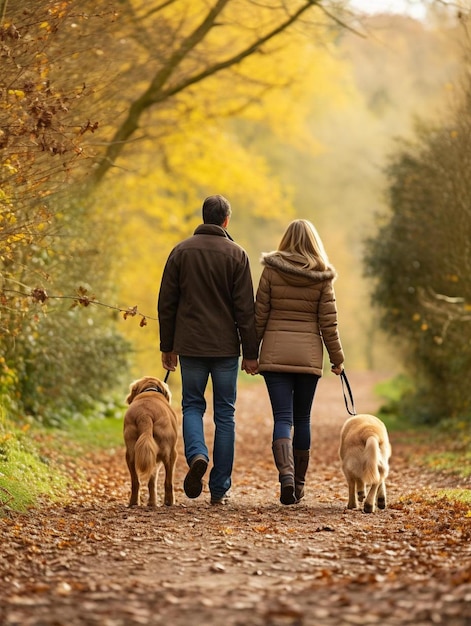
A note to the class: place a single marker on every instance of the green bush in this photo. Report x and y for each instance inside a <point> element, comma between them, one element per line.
<point>420,261</point>
<point>74,361</point>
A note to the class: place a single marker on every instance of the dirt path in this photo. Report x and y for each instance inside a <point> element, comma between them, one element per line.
<point>253,562</point>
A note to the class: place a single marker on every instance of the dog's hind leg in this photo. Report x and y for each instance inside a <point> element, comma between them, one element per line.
<point>152,487</point>
<point>360,487</point>
<point>352,494</point>
<point>134,499</point>
<point>169,497</point>
<point>370,501</point>
<point>382,495</point>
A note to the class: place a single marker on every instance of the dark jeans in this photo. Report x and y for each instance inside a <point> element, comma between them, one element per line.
<point>195,374</point>
<point>291,397</point>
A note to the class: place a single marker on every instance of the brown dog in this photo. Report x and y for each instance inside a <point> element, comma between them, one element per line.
<point>365,452</point>
<point>150,435</point>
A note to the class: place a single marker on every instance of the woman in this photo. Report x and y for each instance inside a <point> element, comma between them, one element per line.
<point>295,314</point>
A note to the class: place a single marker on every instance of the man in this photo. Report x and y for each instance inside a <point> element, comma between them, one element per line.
<point>206,311</point>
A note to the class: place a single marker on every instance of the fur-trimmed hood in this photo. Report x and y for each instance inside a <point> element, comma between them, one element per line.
<point>293,270</point>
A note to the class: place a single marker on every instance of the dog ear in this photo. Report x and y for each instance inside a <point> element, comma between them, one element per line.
<point>133,391</point>
<point>166,391</point>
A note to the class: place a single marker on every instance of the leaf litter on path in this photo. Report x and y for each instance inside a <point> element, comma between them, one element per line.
<point>253,561</point>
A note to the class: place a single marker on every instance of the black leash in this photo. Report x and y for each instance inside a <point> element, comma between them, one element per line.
<point>346,385</point>
<point>166,376</point>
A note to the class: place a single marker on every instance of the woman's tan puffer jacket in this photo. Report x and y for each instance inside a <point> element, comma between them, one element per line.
<point>295,314</point>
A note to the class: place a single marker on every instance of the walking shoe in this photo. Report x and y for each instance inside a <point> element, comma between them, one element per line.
<point>193,485</point>
<point>220,501</point>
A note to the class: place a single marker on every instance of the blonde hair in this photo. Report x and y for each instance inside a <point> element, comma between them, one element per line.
<point>301,242</point>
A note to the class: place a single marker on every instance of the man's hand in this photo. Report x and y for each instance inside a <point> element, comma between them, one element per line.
<point>169,361</point>
<point>250,366</point>
<point>337,369</point>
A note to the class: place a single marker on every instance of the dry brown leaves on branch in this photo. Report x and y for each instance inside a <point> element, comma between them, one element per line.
<point>81,298</point>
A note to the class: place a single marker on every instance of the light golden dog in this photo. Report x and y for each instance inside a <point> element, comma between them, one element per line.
<point>150,435</point>
<point>365,452</point>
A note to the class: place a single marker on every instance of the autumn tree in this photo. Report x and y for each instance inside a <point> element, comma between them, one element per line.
<point>48,232</point>
<point>87,89</point>
<point>420,260</point>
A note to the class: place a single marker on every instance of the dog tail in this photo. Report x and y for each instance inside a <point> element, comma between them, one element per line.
<point>372,461</point>
<point>145,453</point>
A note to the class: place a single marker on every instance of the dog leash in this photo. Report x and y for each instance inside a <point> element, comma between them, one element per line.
<point>166,376</point>
<point>346,385</point>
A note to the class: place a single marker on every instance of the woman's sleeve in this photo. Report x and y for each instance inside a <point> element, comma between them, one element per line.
<point>328,324</point>
<point>262,304</point>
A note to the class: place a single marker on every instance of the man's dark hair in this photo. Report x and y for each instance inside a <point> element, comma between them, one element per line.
<point>216,209</point>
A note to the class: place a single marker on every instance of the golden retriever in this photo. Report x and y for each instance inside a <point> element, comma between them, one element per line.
<point>150,435</point>
<point>365,452</point>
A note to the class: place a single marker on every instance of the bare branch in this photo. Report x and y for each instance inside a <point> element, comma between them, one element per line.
<point>3,10</point>
<point>445,309</point>
<point>341,23</point>
<point>156,93</point>
<point>81,299</point>
<point>449,299</point>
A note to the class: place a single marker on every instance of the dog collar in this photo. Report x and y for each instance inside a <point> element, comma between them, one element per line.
<point>151,389</point>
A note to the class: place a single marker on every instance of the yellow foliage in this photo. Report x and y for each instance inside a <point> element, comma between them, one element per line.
<point>8,165</point>
<point>213,143</point>
<point>19,93</point>
<point>17,237</point>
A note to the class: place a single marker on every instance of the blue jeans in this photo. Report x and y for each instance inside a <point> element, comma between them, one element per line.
<point>291,397</point>
<point>195,374</point>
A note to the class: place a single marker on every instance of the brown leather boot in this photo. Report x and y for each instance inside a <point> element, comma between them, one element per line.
<point>301,463</point>
<point>284,460</point>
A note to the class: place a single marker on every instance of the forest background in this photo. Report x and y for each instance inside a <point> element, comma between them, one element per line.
<point>118,121</point>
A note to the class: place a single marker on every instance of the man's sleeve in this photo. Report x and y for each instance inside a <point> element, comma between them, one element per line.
<point>167,305</point>
<point>244,309</point>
